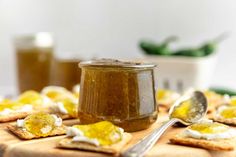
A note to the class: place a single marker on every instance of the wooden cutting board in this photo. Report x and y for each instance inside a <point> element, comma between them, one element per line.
<point>11,146</point>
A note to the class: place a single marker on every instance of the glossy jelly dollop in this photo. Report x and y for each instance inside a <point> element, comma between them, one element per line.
<point>105,132</point>
<point>70,105</point>
<point>209,128</point>
<point>228,112</point>
<point>40,124</point>
<point>31,97</point>
<point>9,104</point>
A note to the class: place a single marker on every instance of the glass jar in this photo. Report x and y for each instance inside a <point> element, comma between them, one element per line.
<point>34,54</point>
<point>65,72</point>
<point>120,92</point>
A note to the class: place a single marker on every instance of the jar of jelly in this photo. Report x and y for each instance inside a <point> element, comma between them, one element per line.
<point>65,72</point>
<point>34,55</point>
<point>118,91</point>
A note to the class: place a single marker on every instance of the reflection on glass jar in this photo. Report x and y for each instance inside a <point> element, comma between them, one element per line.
<point>121,92</point>
<point>34,54</point>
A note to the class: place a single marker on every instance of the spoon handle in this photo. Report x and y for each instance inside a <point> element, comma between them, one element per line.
<point>145,144</point>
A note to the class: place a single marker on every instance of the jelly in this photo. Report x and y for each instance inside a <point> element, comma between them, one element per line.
<point>70,106</point>
<point>9,104</point>
<point>56,92</point>
<point>65,73</point>
<point>34,54</point>
<point>31,97</point>
<point>182,111</point>
<point>40,124</point>
<point>105,132</point>
<point>232,101</point>
<point>209,128</point>
<point>228,112</point>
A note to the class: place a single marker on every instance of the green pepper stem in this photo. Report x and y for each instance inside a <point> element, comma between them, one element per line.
<point>221,37</point>
<point>170,39</point>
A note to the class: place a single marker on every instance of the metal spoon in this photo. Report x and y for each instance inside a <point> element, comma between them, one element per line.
<point>198,108</point>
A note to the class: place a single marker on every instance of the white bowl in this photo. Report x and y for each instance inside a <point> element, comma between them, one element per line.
<point>180,73</point>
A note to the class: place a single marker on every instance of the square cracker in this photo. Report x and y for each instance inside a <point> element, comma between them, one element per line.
<point>218,145</point>
<point>25,135</point>
<point>13,116</point>
<point>224,120</point>
<point>211,109</point>
<point>19,115</point>
<point>113,149</point>
<point>64,116</point>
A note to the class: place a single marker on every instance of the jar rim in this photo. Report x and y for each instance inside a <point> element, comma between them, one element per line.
<point>40,39</point>
<point>112,63</point>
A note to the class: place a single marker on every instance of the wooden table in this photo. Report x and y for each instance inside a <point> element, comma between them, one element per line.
<point>11,146</point>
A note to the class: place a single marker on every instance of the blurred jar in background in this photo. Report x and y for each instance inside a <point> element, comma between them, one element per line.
<point>65,72</point>
<point>34,55</point>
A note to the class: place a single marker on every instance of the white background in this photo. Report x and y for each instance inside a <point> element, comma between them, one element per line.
<point>112,28</point>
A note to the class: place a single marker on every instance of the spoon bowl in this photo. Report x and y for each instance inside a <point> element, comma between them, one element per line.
<point>197,108</point>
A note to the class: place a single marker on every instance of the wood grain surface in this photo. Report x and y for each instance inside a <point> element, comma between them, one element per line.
<point>11,146</point>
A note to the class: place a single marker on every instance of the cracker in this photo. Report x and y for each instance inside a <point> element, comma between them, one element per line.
<point>25,135</point>
<point>113,149</point>
<point>163,108</point>
<point>217,145</point>
<point>64,116</point>
<point>13,116</point>
<point>224,120</point>
<point>211,109</point>
<point>20,115</point>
